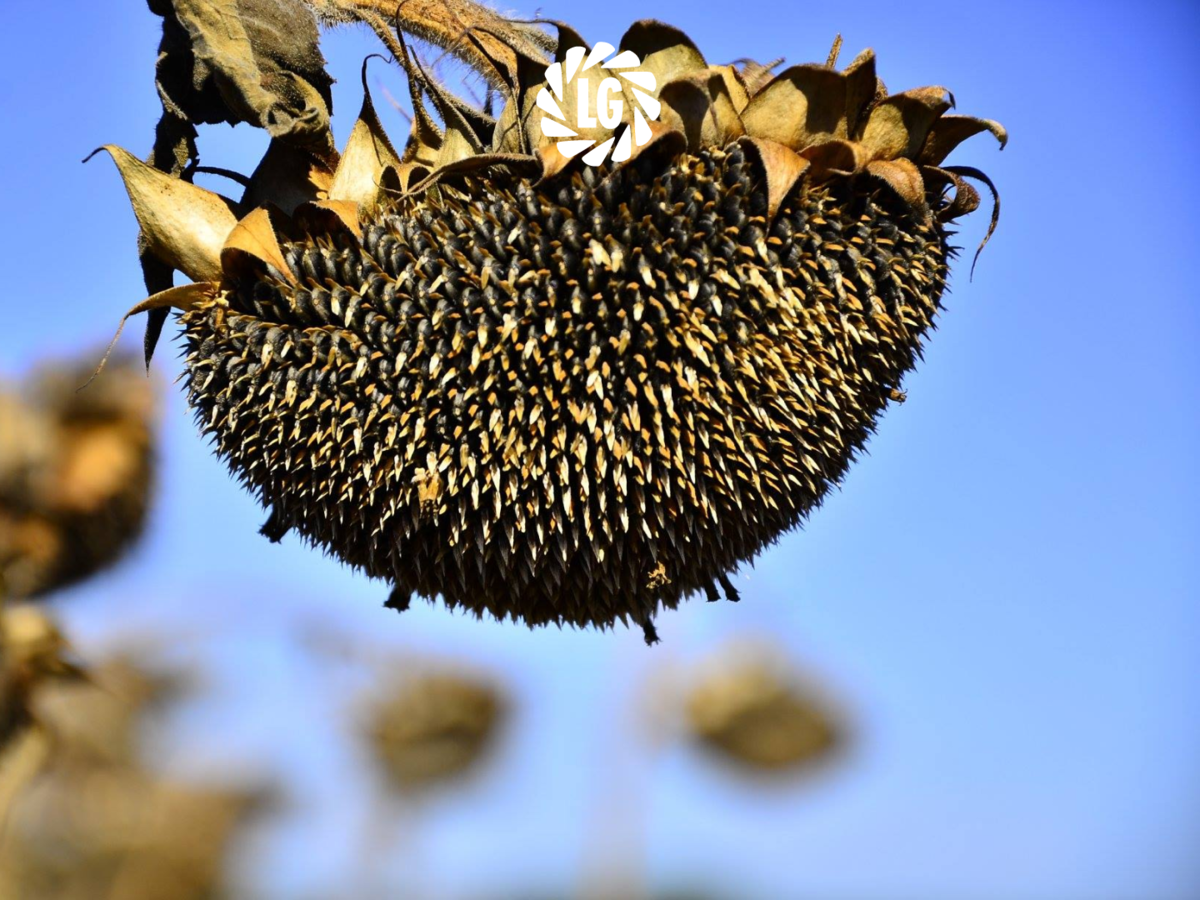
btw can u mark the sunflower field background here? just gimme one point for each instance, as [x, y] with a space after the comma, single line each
[989, 630]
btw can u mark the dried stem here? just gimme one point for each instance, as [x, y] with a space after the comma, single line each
[482, 38]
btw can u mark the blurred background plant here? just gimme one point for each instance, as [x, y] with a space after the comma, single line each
[76, 470]
[1003, 591]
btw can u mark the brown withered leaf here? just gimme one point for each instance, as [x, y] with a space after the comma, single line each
[972, 172]
[183, 225]
[950, 131]
[735, 85]
[664, 50]
[517, 163]
[368, 156]
[255, 61]
[253, 241]
[802, 106]
[756, 75]
[322, 216]
[782, 166]
[553, 161]
[287, 177]
[861, 87]
[493, 45]
[573, 51]
[458, 141]
[903, 177]
[181, 297]
[965, 200]
[425, 138]
[701, 107]
[836, 157]
[665, 143]
[898, 125]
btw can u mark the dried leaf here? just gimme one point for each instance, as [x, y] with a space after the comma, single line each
[972, 172]
[253, 61]
[493, 45]
[323, 216]
[517, 163]
[735, 85]
[903, 177]
[368, 155]
[183, 297]
[254, 239]
[782, 167]
[756, 75]
[665, 51]
[287, 177]
[965, 200]
[898, 125]
[543, 126]
[950, 131]
[861, 86]
[702, 109]
[184, 225]
[553, 161]
[802, 106]
[665, 144]
[836, 157]
[425, 139]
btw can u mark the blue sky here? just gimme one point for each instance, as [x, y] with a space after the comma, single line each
[1004, 592]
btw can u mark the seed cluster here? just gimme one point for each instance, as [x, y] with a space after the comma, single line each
[575, 401]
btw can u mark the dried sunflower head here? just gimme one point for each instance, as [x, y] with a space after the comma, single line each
[434, 728]
[75, 474]
[480, 369]
[751, 710]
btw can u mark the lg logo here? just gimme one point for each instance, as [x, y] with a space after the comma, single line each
[583, 94]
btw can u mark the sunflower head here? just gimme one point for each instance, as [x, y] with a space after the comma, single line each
[75, 474]
[750, 709]
[481, 368]
[433, 728]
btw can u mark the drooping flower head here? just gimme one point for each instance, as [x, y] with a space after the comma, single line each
[481, 369]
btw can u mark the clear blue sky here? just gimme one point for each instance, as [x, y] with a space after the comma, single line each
[1005, 591]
